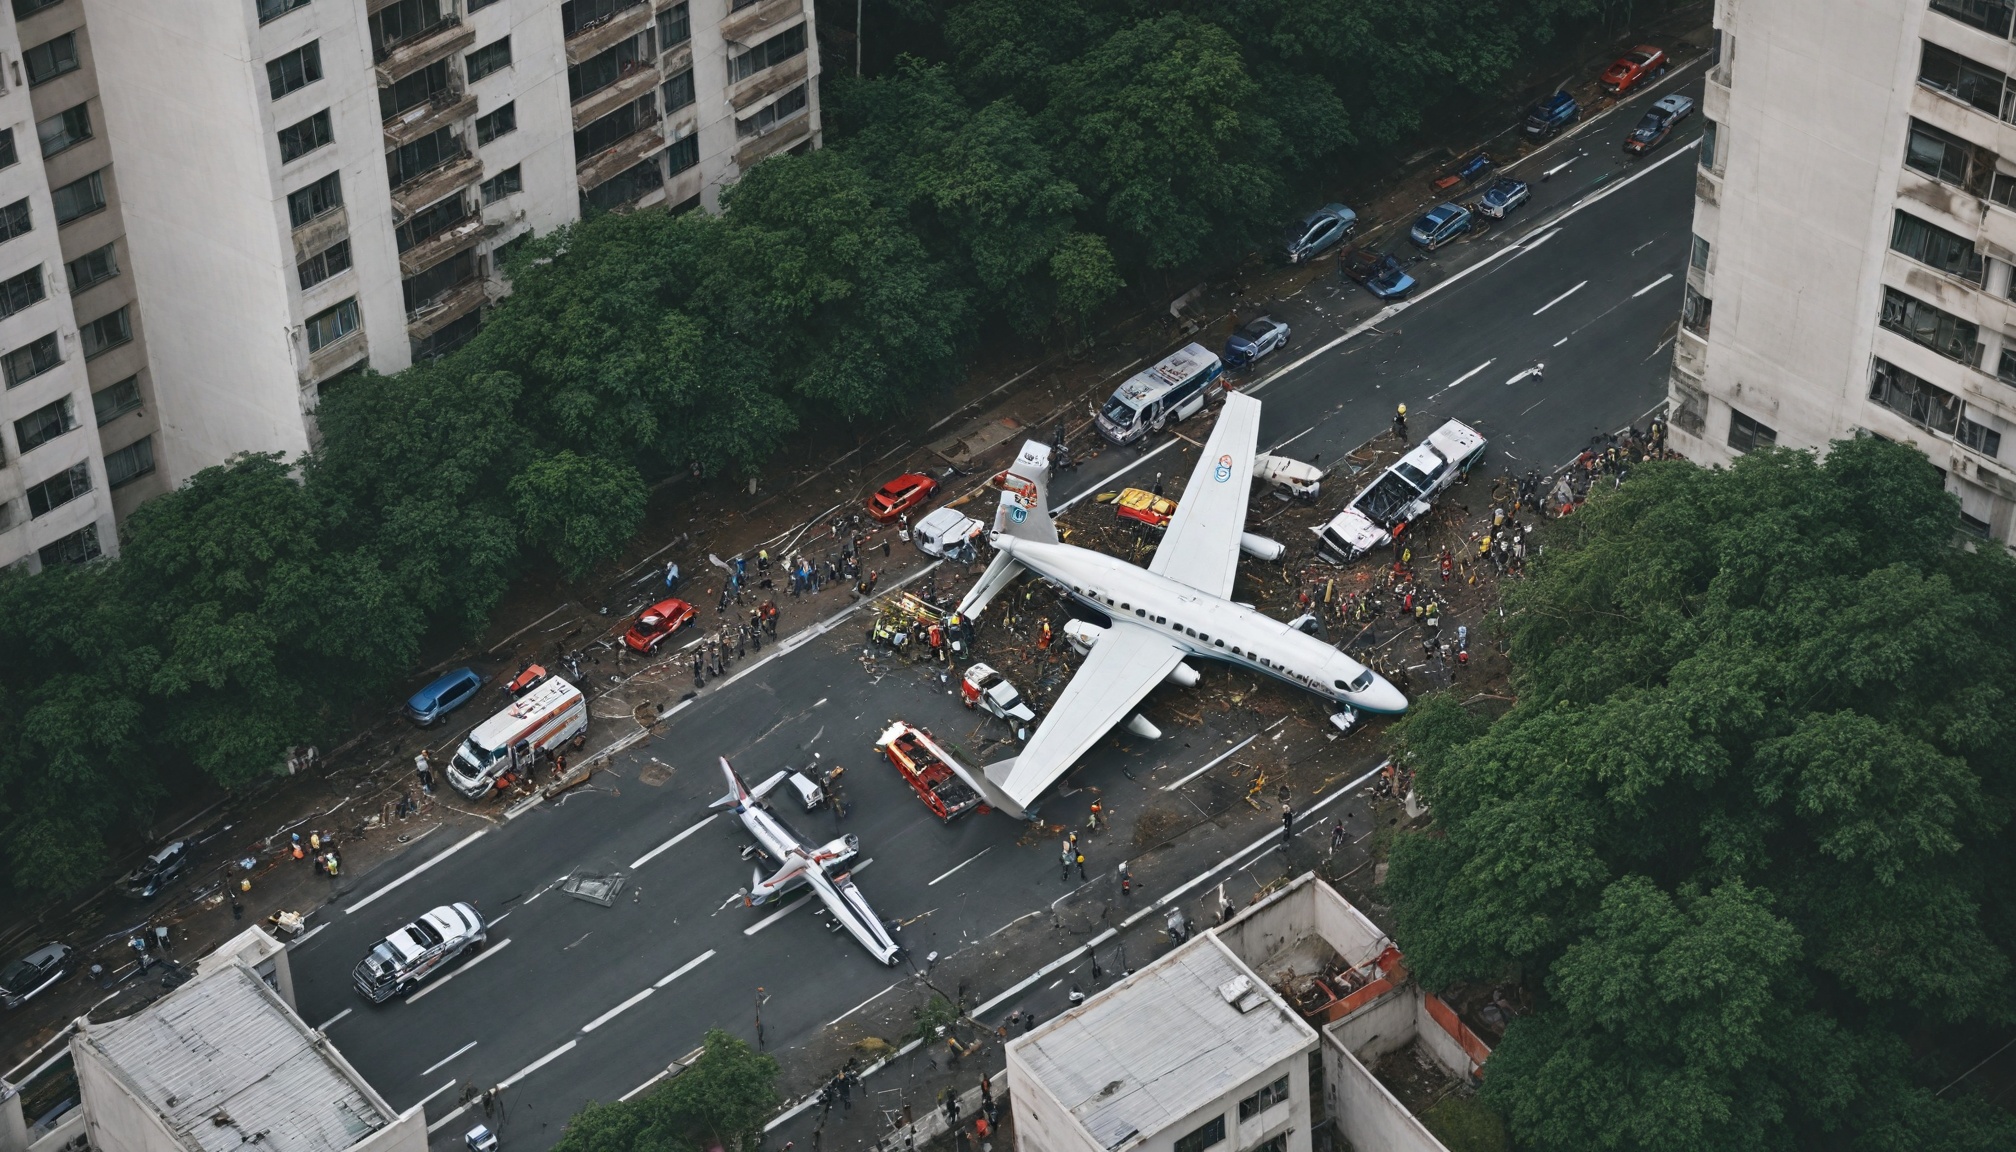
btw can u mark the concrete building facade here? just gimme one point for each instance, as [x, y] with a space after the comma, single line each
[1854, 259]
[232, 205]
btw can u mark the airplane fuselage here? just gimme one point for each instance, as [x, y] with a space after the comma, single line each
[1205, 626]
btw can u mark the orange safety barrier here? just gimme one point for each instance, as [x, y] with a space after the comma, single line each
[1451, 1023]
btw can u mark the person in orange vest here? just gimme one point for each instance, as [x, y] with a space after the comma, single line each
[937, 642]
[1043, 635]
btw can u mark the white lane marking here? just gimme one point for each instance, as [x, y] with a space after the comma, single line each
[1470, 373]
[306, 936]
[1525, 374]
[625, 1098]
[1656, 351]
[437, 1064]
[541, 1062]
[618, 1010]
[430, 989]
[864, 1003]
[685, 968]
[444, 1121]
[429, 1098]
[1292, 439]
[1561, 297]
[784, 1116]
[961, 864]
[331, 1022]
[647, 857]
[1652, 285]
[1012, 923]
[1561, 341]
[1220, 758]
[459, 845]
[1565, 163]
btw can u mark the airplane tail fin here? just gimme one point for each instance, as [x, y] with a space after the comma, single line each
[738, 795]
[988, 782]
[1024, 512]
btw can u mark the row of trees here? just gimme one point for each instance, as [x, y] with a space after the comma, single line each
[1746, 833]
[1009, 177]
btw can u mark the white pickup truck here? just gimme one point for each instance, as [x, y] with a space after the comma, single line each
[945, 530]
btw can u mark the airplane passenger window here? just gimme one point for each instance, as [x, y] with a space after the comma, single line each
[1141, 612]
[1219, 643]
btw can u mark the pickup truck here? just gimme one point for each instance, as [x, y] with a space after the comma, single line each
[1401, 494]
[415, 952]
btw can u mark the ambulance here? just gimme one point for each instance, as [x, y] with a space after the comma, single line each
[502, 748]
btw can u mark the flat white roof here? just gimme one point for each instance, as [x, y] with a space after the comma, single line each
[1161, 1044]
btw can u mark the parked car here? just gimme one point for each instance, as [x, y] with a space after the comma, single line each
[657, 624]
[1443, 223]
[1389, 281]
[1503, 196]
[1360, 264]
[1676, 107]
[901, 495]
[1551, 115]
[27, 977]
[1652, 130]
[444, 695]
[1254, 339]
[413, 953]
[1319, 230]
[947, 532]
[1632, 69]
[157, 871]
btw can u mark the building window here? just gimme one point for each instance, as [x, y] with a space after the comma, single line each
[623, 188]
[68, 127]
[59, 489]
[1987, 15]
[14, 220]
[679, 91]
[428, 288]
[490, 58]
[505, 183]
[110, 403]
[1695, 312]
[129, 463]
[1709, 132]
[606, 67]
[675, 27]
[768, 54]
[44, 424]
[429, 84]
[92, 268]
[1935, 328]
[79, 198]
[1930, 244]
[479, 5]
[451, 336]
[272, 9]
[683, 154]
[1936, 154]
[422, 156]
[51, 58]
[26, 8]
[324, 264]
[1913, 398]
[1964, 80]
[1698, 255]
[1265, 1098]
[8, 156]
[332, 324]
[1747, 435]
[76, 548]
[502, 253]
[294, 70]
[31, 360]
[1974, 526]
[404, 20]
[581, 15]
[106, 333]
[431, 221]
[502, 122]
[1205, 1137]
[1980, 438]
[318, 199]
[21, 290]
[610, 129]
[785, 107]
[738, 5]
[297, 140]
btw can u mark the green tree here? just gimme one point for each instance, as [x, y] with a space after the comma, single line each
[1746, 826]
[580, 509]
[722, 1099]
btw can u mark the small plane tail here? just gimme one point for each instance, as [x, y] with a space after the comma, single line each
[1024, 512]
[989, 780]
[738, 794]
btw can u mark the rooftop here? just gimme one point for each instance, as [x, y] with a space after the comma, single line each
[1127, 1063]
[224, 1062]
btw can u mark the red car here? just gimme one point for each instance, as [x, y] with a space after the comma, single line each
[901, 495]
[658, 622]
[1641, 63]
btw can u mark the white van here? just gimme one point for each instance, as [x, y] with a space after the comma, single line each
[543, 719]
[1173, 390]
[945, 531]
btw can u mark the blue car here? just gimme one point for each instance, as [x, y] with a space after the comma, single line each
[1388, 280]
[1443, 223]
[1551, 115]
[1503, 196]
[443, 696]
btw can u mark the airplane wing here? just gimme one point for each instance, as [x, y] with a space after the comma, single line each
[1201, 546]
[1123, 666]
[851, 909]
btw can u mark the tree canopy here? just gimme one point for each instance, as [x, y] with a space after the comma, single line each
[1747, 826]
[722, 1099]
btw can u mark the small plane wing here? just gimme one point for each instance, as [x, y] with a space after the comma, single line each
[1128, 661]
[1201, 546]
[851, 909]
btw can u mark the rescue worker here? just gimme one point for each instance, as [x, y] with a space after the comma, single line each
[937, 639]
[1400, 424]
[1043, 635]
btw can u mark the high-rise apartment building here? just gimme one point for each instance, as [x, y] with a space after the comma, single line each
[210, 210]
[1854, 259]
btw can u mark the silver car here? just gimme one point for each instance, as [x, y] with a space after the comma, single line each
[1319, 230]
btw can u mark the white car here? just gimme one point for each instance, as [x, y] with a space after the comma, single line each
[989, 691]
[415, 952]
[945, 531]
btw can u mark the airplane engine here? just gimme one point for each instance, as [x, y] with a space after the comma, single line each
[1082, 635]
[1261, 547]
[1184, 676]
[1140, 726]
[839, 849]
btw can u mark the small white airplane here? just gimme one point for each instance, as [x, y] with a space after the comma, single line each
[802, 863]
[1175, 608]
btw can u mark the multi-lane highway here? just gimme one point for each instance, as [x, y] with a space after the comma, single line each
[572, 1001]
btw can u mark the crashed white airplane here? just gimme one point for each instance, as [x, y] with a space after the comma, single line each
[1174, 609]
[800, 862]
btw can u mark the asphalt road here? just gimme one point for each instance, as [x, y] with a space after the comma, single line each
[572, 1001]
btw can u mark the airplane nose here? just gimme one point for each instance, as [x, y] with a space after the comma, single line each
[1384, 697]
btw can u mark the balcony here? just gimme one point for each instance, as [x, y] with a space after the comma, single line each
[755, 22]
[768, 82]
[449, 35]
[447, 308]
[418, 193]
[618, 157]
[1707, 187]
[599, 104]
[591, 42]
[439, 110]
[441, 246]
[786, 135]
